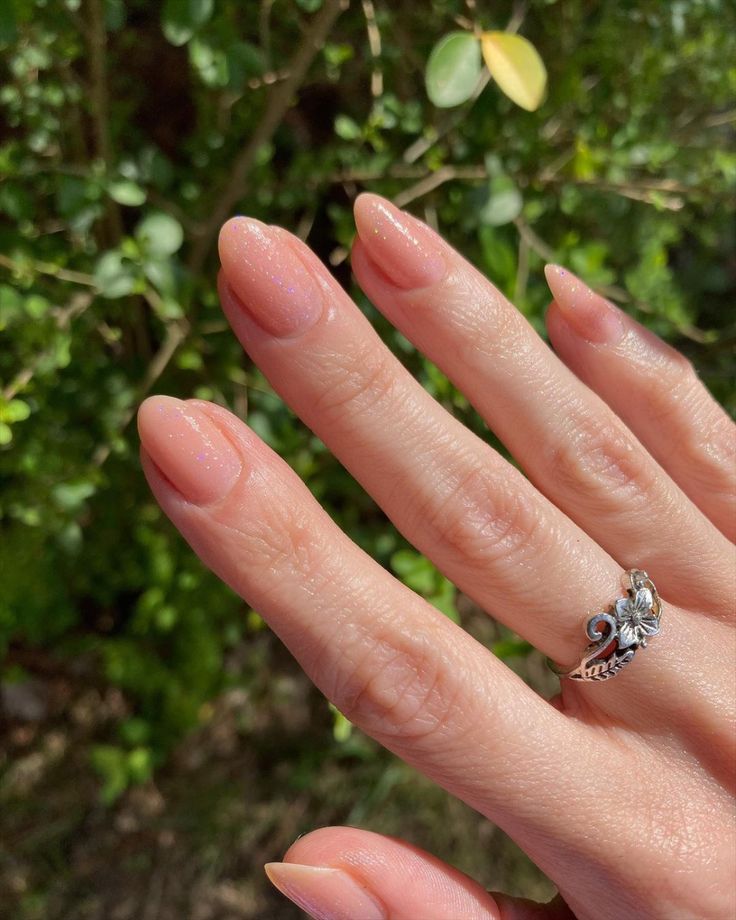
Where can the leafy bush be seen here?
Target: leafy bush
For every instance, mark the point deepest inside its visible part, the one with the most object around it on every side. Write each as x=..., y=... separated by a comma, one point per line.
x=133, y=130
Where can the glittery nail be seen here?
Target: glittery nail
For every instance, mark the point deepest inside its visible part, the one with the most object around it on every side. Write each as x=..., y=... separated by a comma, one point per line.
x=406, y=251
x=268, y=278
x=591, y=316
x=189, y=449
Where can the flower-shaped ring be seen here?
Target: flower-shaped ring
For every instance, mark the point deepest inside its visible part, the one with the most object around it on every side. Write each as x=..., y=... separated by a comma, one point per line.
x=616, y=635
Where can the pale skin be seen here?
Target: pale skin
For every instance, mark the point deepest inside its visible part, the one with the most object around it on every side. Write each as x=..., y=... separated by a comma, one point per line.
x=621, y=791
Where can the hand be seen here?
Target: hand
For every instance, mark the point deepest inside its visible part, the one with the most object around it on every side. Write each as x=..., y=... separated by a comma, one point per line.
x=621, y=791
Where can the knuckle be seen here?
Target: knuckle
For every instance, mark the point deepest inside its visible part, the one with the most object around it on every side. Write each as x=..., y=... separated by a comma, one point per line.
x=397, y=689
x=479, y=519
x=280, y=540
x=605, y=461
x=489, y=328
x=357, y=381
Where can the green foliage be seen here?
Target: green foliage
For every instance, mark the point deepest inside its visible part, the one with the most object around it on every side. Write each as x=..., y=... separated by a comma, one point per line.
x=453, y=69
x=125, y=123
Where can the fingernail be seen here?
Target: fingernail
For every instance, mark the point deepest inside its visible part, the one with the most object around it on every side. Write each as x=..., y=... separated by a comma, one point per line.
x=591, y=316
x=269, y=279
x=189, y=449
x=324, y=893
x=403, y=248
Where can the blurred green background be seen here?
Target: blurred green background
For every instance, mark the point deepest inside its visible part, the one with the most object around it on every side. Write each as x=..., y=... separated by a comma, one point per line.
x=158, y=745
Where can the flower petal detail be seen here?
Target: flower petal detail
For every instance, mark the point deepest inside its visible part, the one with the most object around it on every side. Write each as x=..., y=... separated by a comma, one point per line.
x=649, y=626
x=627, y=635
x=642, y=601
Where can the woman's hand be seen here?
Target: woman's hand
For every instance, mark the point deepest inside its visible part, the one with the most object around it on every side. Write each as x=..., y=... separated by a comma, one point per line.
x=621, y=791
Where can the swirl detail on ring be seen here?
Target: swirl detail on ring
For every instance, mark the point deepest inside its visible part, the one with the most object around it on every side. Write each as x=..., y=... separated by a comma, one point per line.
x=617, y=634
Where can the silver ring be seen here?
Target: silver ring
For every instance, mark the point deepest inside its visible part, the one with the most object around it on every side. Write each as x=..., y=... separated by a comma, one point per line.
x=627, y=626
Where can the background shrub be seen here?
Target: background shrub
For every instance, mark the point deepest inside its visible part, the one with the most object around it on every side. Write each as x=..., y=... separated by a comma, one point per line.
x=129, y=132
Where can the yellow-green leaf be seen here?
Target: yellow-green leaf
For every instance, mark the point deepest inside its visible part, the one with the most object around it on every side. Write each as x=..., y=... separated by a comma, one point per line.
x=516, y=66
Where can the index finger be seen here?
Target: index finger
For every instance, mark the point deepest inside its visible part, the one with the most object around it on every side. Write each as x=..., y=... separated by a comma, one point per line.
x=395, y=665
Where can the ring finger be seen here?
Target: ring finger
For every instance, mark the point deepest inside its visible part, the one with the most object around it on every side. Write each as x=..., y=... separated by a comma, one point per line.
x=573, y=447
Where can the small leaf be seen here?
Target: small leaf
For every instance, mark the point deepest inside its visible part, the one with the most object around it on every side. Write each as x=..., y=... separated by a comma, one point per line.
x=516, y=66
x=126, y=192
x=114, y=275
x=347, y=128
x=6, y=434
x=453, y=69
x=181, y=18
x=504, y=202
x=160, y=234
x=14, y=411
x=210, y=63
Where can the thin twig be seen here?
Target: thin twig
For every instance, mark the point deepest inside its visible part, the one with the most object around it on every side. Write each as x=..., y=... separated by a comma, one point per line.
x=276, y=108
x=64, y=317
x=48, y=268
x=660, y=192
x=99, y=103
x=374, y=44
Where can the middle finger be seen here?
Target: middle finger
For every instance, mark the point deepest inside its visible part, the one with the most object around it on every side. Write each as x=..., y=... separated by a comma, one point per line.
x=455, y=498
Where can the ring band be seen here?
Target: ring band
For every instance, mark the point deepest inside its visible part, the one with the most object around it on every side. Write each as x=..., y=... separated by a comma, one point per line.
x=627, y=626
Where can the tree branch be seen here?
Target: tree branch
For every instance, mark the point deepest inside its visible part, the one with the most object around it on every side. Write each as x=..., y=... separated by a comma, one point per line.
x=277, y=106
x=99, y=103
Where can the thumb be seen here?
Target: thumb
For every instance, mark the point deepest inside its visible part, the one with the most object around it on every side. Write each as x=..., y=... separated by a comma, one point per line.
x=343, y=873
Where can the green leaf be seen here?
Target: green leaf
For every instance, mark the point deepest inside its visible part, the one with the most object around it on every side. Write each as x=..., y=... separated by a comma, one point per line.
x=244, y=60
x=14, y=411
x=211, y=64
x=504, y=202
x=181, y=18
x=160, y=234
x=453, y=69
x=11, y=305
x=114, y=275
x=347, y=128
x=444, y=599
x=414, y=570
x=6, y=434
x=70, y=496
x=516, y=67
x=111, y=765
x=126, y=192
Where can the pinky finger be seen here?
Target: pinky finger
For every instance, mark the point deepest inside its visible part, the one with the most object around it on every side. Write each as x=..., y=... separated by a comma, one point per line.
x=342, y=873
x=653, y=388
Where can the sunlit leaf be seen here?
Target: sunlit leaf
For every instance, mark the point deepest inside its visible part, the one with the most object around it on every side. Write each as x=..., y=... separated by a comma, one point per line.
x=114, y=275
x=453, y=69
x=516, y=67
x=504, y=202
x=160, y=234
x=181, y=18
x=126, y=192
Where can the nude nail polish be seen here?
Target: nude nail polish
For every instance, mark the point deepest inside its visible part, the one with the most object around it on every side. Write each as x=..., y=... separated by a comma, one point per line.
x=325, y=893
x=591, y=316
x=268, y=278
x=404, y=249
x=189, y=449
